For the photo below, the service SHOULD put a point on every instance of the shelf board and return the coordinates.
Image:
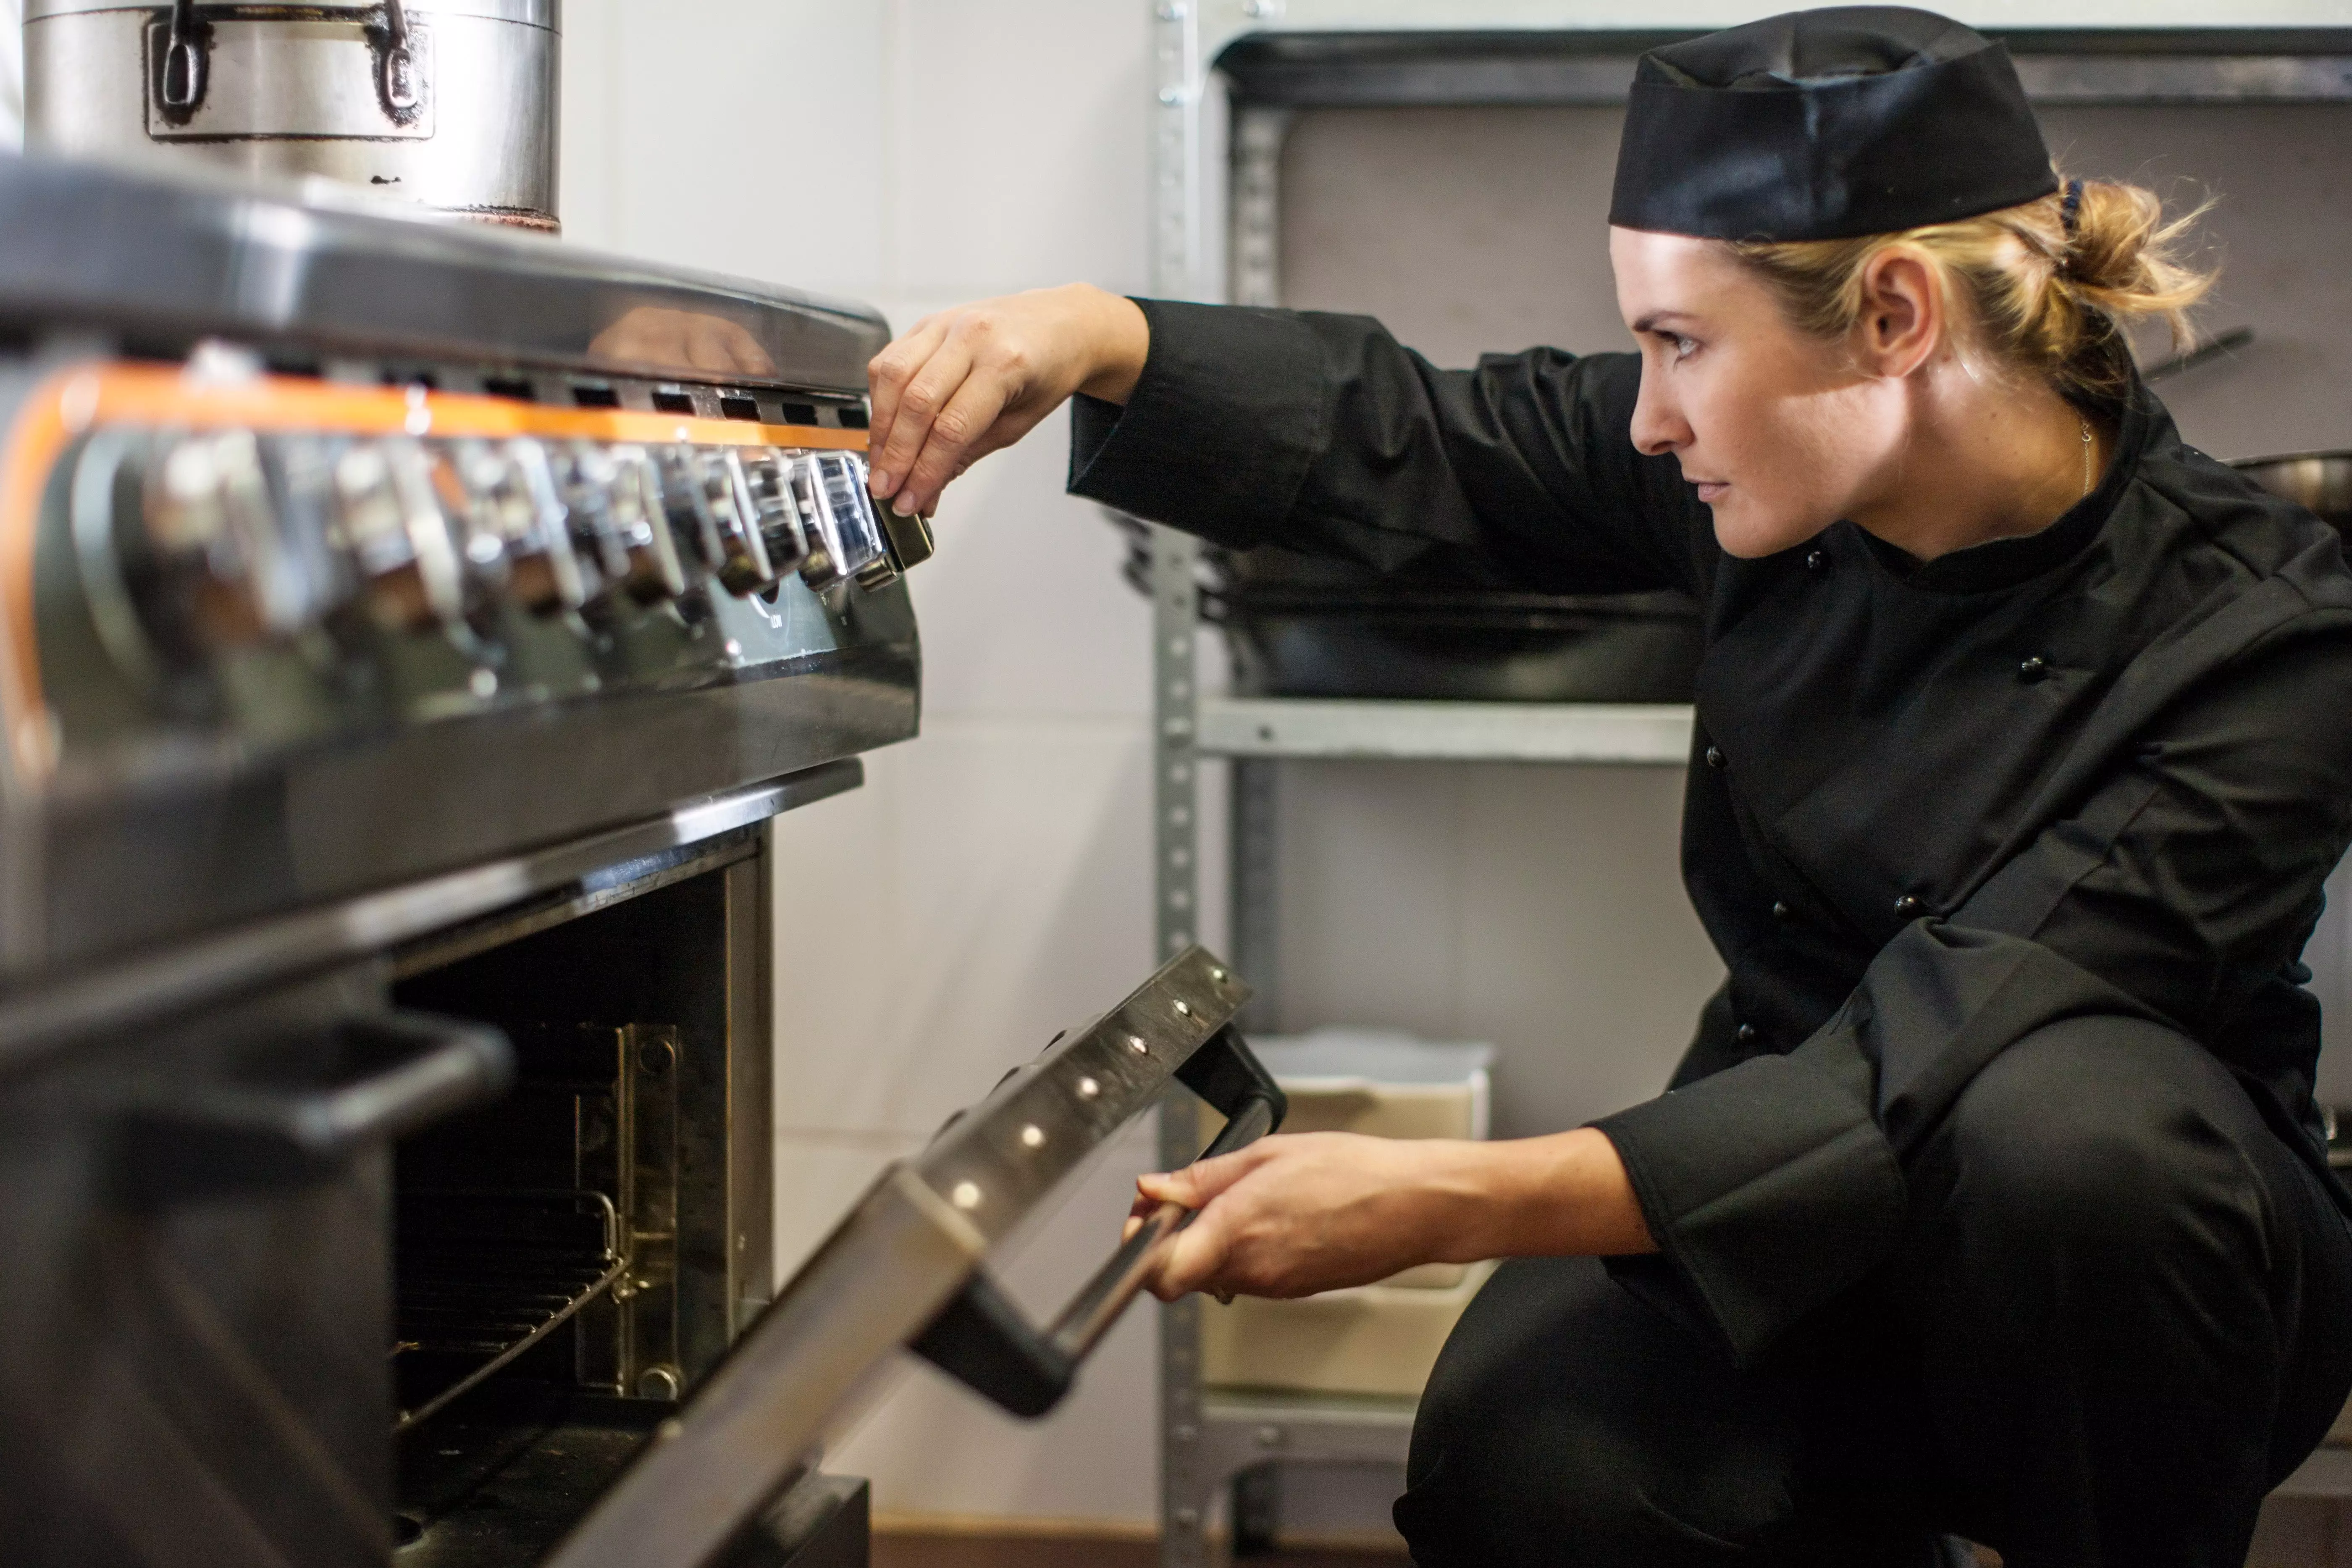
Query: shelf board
(1621, 732)
(2326, 1474)
(1240, 1427)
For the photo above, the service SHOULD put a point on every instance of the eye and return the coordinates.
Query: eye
(1675, 346)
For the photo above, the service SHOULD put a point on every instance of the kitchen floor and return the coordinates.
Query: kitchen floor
(896, 1551)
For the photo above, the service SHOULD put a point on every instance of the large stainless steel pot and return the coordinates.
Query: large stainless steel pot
(449, 103)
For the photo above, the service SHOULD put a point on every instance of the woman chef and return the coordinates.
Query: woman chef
(1990, 1199)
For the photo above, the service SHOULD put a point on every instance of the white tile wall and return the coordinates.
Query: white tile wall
(990, 885)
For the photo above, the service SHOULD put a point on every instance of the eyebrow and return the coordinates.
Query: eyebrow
(1649, 323)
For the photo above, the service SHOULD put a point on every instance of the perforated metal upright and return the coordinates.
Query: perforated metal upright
(1214, 213)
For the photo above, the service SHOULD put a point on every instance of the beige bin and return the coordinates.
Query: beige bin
(1377, 1339)
(1374, 1339)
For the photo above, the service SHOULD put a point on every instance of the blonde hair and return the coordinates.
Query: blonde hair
(2028, 293)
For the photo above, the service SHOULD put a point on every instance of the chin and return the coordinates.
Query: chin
(1750, 532)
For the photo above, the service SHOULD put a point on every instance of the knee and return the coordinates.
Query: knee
(2094, 1136)
(1566, 1418)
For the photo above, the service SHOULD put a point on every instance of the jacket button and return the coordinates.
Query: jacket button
(1815, 560)
(1714, 758)
(1745, 1034)
(1781, 911)
(1908, 906)
(2032, 669)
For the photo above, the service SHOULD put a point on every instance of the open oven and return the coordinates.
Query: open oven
(406, 632)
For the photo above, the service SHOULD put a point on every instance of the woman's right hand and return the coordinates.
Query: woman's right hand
(961, 383)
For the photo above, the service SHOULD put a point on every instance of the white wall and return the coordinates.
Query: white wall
(991, 884)
(12, 74)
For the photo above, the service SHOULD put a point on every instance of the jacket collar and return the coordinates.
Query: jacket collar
(2142, 425)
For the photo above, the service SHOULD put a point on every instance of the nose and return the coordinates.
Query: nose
(1658, 424)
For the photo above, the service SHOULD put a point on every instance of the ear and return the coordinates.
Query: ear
(1902, 319)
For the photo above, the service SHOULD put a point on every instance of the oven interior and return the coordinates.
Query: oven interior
(569, 1260)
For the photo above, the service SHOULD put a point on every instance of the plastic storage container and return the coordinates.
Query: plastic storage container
(1378, 1339)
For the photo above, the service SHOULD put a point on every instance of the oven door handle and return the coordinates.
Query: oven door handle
(982, 1338)
(386, 1074)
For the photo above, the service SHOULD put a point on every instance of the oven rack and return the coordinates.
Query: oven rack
(499, 1289)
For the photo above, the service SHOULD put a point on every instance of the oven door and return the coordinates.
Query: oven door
(905, 1268)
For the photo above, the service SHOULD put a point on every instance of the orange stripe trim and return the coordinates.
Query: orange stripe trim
(79, 400)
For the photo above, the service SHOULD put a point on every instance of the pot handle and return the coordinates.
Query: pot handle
(188, 64)
(393, 1073)
(983, 1341)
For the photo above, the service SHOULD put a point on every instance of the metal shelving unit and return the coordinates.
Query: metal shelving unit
(1215, 1439)
(1217, 141)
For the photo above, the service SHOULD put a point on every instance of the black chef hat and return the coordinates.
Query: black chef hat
(1826, 125)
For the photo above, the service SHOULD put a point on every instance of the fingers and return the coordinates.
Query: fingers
(891, 451)
(1202, 1180)
(1193, 1257)
(955, 441)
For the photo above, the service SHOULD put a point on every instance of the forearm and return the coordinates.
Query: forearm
(1564, 1195)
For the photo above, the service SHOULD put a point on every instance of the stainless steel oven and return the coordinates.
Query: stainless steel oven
(406, 631)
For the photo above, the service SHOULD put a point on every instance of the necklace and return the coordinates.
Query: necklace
(2089, 444)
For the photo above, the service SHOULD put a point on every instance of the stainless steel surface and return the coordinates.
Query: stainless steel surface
(39, 1020)
(532, 13)
(456, 112)
(271, 606)
(393, 1073)
(1651, 735)
(194, 252)
(319, 79)
(2321, 481)
(740, 1228)
(887, 1268)
(193, 1343)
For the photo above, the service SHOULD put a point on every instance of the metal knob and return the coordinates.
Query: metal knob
(709, 509)
(584, 477)
(518, 489)
(822, 567)
(775, 512)
(641, 522)
(841, 485)
(390, 523)
(222, 568)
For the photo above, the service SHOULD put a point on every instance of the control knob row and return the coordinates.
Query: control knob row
(253, 537)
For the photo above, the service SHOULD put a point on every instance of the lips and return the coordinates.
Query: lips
(1711, 490)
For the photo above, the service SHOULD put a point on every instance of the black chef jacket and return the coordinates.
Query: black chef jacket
(1931, 807)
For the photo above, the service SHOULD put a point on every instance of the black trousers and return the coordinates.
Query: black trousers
(2122, 1314)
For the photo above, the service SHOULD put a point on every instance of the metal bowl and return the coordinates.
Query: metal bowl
(2321, 481)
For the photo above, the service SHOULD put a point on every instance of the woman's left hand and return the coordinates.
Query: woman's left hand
(1292, 1215)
